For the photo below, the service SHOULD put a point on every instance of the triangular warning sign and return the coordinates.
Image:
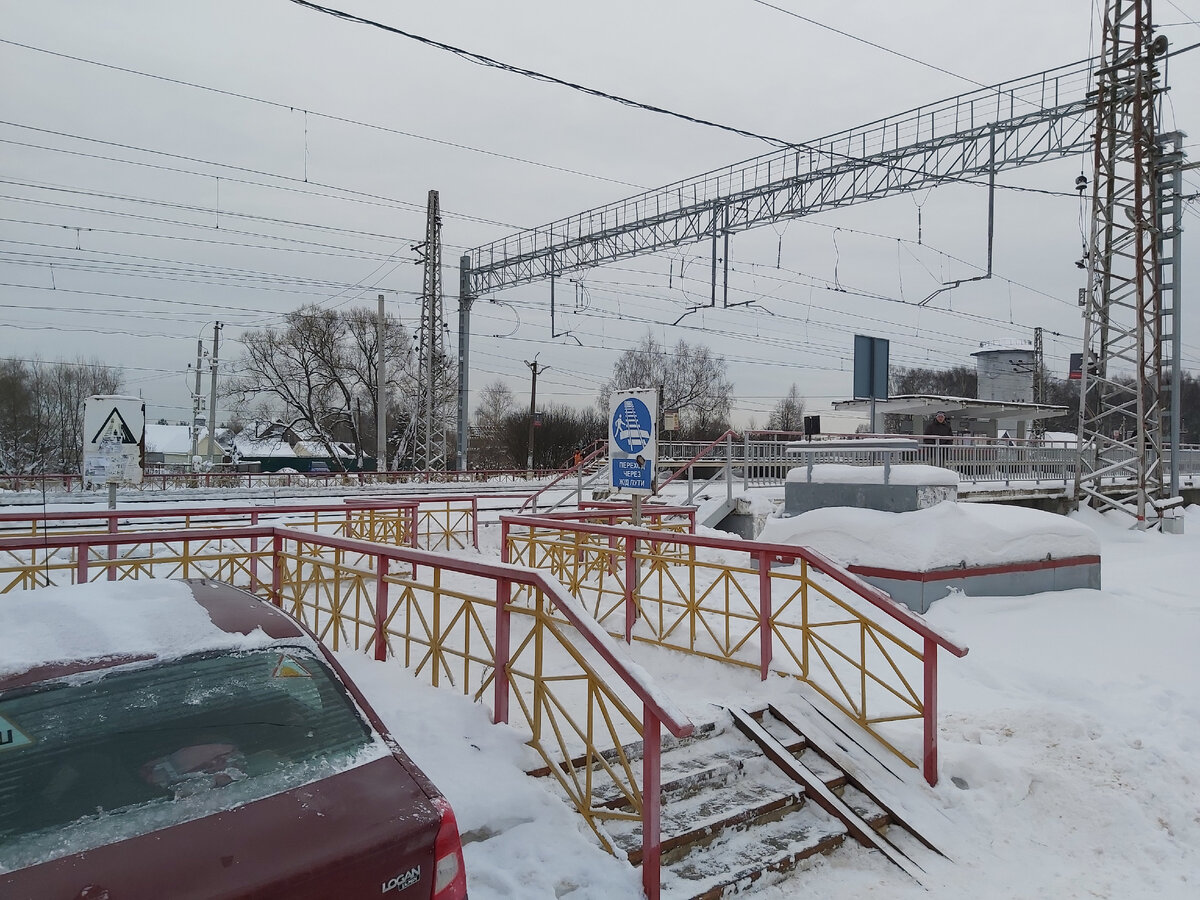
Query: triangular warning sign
(114, 427)
(12, 737)
(289, 668)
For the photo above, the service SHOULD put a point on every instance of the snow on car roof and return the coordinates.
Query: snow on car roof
(154, 617)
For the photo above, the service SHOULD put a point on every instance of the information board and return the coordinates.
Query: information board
(114, 440)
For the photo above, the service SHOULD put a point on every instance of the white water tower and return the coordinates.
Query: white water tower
(1005, 372)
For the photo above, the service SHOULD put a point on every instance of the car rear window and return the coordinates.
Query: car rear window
(86, 762)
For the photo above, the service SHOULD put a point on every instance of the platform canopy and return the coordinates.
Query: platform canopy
(919, 408)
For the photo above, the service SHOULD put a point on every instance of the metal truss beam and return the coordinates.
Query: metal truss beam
(1019, 123)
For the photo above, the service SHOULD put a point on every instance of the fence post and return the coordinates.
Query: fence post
(81, 564)
(112, 548)
(381, 607)
(253, 556)
(277, 569)
(930, 713)
(651, 788)
(746, 461)
(729, 467)
(500, 703)
(766, 648)
(475, 520)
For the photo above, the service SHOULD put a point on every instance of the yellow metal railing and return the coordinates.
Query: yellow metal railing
(436, 523)
(728, 601)
(485, 629)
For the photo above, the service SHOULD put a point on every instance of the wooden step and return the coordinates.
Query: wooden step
(736, 861)
(698, 819)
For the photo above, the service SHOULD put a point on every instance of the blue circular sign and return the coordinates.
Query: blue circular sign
(631, 425)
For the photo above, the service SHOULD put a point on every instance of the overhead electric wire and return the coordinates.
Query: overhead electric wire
(862, 40)
(289, 107)
(352, 195)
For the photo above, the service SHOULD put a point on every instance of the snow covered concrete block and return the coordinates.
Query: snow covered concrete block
(981, 549)
(887, 488)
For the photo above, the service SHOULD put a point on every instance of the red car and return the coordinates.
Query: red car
(215, 751)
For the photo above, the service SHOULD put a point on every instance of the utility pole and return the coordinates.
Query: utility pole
(534, 368)
(1039, 381)
(380, 393)
(1120, 418)
(429, 443)
(196, 406)
(465, 300)
(212, 396)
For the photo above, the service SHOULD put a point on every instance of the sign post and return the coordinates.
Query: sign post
(870, 371)
(633, 453)
(114, 449)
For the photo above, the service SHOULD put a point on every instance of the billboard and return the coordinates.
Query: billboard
(632, 440)
(114, 440)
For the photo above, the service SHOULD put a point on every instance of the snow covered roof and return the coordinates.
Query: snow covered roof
(172, 438)
(926, 405)
(247, 445)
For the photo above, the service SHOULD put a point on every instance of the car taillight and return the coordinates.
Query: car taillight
(449, 875)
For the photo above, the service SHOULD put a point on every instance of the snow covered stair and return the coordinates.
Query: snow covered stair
(736, 808)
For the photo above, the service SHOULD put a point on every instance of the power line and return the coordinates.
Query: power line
(862, 40)
(324, 115)
(480, 60)
(351, 194)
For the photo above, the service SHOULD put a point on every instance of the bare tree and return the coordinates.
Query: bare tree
(41, 412)
(788, 414)
(320, 368)
(693, 379)
(496, 401)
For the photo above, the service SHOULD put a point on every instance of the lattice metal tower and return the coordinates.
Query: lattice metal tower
(429, 411)
(1120, 420)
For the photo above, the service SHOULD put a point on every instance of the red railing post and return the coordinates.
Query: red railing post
(381, 607)
(503, 542)
(930, 712)
(651, 799)
(766, 648)
(500, 703)
(81, 564)
(253, 556)
(277, 569)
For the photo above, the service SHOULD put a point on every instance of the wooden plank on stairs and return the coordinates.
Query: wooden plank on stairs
(821, 794)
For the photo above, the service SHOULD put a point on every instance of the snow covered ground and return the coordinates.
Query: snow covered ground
(1069, 740)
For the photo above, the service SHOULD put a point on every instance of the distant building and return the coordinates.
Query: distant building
(171, 445)
(1004, 407)
(274, 446)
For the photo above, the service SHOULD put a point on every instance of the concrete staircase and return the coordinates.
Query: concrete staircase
(748, 799)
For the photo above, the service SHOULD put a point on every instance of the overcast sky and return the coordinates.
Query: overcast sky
(293, 167)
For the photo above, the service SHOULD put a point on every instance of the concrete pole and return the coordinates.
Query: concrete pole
(533, 367)
(465, 301)
(212, 396)
(196, 406)
(380, 393)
